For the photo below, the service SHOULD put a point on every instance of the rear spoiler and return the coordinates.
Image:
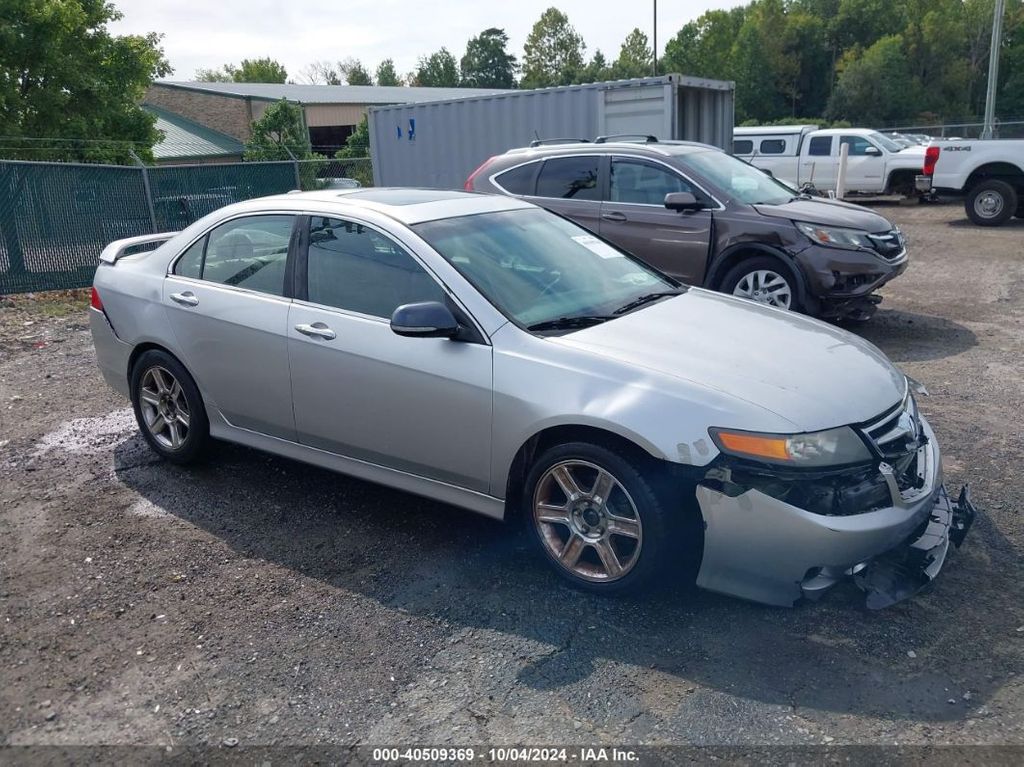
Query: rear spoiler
(118, 248)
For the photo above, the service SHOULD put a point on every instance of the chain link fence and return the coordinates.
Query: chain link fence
(55, 218)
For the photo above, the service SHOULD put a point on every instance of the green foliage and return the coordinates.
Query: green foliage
(553, 54)
(65, 78)
(354, 72)
(635, 57)
(264, 70)
(386, 74)
(357, 144)
(597, 70)
(873, 85)
(280, 134)
(487, 62)
(438, 70)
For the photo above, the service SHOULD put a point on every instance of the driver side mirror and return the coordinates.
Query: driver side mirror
(873, 151)
(429, 319)
(683, 201)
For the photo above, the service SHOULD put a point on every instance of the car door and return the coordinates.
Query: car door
(818, 163)
(226, 304)
(418, 405)
(865, 165)
(571, 186)
(635, 218)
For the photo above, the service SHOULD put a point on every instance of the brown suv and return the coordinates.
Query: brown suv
(709, 219)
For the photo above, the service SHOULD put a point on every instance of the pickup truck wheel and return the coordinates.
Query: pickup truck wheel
(991, 203)
(764, 279)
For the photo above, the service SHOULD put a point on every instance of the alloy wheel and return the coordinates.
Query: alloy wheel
(765, 287)
(164, 407)
(587, 521)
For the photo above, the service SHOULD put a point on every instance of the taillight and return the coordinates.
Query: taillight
(94, 301)
(931, 156)
(468, 186)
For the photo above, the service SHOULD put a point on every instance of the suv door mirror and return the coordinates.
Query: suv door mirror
(429, 319)
(683, 201)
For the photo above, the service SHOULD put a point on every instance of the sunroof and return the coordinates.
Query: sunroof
(404, 196)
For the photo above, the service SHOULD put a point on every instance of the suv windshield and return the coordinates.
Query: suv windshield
(740, 180)
(538, 269)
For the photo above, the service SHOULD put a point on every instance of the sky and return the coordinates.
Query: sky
(209, 33)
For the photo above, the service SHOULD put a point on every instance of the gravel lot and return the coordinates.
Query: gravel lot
(262, 600)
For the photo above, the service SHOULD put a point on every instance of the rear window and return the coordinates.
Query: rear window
(569, 178)
(773, 146)
(518, 180)
(820, 146)
(743, 146)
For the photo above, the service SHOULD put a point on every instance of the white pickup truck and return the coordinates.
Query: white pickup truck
(802, 154)
(989, 173)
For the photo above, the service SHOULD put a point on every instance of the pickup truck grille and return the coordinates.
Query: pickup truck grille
(889, 245)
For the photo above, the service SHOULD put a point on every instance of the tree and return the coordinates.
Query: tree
(635, 57)
(487, 63)
(703, 48)
(321, 73)
(280, 134)
(357, 150)
(876, 87)
(386, 74)
(354, 72)
(596, 70)
(264, 70)
(63, 76)
(553, 54)
(438, 70)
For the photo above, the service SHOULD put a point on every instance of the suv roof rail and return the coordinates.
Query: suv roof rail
(646, 138)
(542, 141)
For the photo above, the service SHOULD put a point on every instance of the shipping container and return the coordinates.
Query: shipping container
(437, 144)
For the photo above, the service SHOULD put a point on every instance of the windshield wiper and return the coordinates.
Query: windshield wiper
(637, 303)
(565, 323)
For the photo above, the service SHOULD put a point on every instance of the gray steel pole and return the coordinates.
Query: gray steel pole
(988, 131)
(147, 189)
(654, 46)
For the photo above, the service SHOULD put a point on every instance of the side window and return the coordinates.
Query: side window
(354, 268)
(571, 178)
(519, 180)
(643, 183)
(858, 145)
(191, 262)
(743, 146)
(820, 146)
(773, 146)
(246, 253)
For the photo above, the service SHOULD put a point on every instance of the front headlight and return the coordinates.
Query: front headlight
(834, 447)
(835, 237)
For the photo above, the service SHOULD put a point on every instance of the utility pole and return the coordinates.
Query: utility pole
(988, 131)
(654, 46)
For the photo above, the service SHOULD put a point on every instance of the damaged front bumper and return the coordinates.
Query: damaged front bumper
(769, 550)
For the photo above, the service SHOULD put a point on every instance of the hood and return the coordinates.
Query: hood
(828, 213)
(812, 374)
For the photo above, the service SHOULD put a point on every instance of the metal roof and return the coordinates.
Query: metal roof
(184, 138)
(330, 94)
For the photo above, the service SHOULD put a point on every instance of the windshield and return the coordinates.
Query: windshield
(886, 143)
(740, 180)
(536, 267)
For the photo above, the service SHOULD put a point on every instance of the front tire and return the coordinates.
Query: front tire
(766, 280)
(598, 521)
(991, 203)
(169, 408)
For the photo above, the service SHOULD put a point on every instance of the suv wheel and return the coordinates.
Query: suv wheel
(598, 521)
(991, 203)
(764, 279)
(168, 407)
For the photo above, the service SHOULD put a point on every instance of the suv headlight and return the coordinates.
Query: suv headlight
(833, 447)
(835, 237)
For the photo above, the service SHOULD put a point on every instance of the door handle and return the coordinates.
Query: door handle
(188, 298)
(317, 330)
(614, 216)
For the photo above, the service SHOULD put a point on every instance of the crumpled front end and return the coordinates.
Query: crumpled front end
(778, 537)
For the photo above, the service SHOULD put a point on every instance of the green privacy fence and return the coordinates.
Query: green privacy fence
(55, 218)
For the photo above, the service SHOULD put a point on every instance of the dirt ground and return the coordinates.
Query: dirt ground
(260, 601)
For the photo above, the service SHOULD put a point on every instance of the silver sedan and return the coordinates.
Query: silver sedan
(486, 353)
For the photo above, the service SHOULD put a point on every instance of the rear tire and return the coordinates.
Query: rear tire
(991, 203)
(598, 521)
(766, 280)
(169, 408)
